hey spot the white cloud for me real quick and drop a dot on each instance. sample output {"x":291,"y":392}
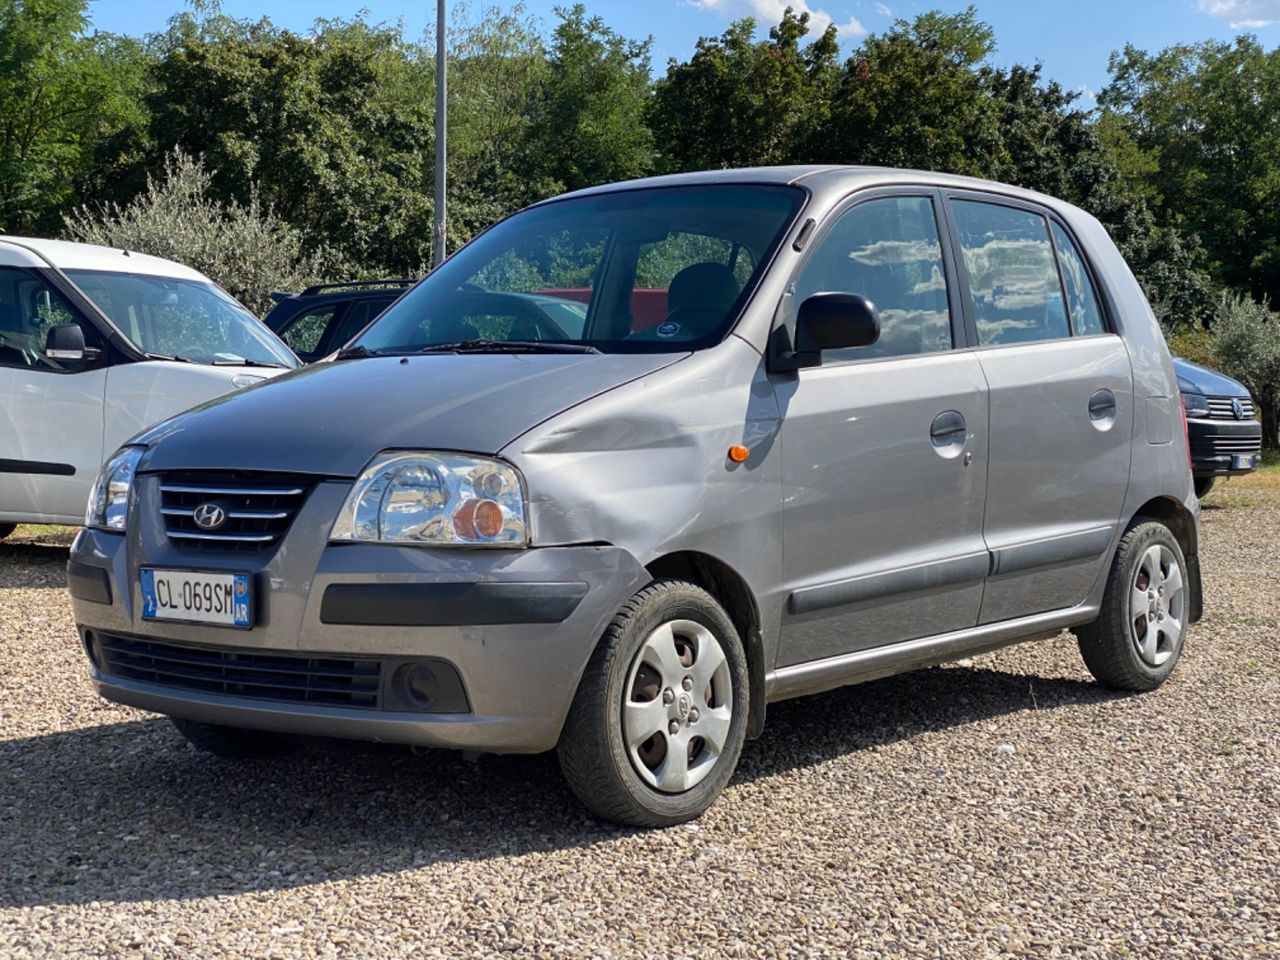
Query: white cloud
{"x":883,"y":10}
{"x":1243,"y":14}
{"x":769,"y":12}
{"x":1087,"y":95}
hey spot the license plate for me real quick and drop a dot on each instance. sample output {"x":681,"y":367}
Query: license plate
{"x":190,"y":596}
{"x":1245,"y":461}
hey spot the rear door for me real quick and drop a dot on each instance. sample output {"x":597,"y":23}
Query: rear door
{"x":1061,"y":401}
{"x":884,"y":448}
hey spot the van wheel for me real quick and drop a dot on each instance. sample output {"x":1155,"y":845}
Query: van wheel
{"x":234,"y":743}
{"x":1138,"y":635}
{"x":1203,"y":486}
{"x":658,"y":721}
{"x":6,"y":529}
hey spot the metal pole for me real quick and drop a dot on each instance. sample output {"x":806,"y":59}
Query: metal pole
{"x":442,"y":98}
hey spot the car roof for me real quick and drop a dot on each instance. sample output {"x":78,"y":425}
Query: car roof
{"x":820,"y":176}
{"x":66,"y":255}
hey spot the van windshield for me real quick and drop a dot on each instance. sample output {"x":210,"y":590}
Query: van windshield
{"x":650,"y":270}
{"x":184,"y":319}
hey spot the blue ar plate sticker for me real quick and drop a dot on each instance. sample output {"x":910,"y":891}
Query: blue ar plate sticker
{"x":668,"y":330}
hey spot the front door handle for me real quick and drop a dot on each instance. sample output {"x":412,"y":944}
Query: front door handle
{"x":949,"y":433}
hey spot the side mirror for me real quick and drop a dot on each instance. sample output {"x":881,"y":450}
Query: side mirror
{"x":65,"y":342}
{"x":834,"y":321}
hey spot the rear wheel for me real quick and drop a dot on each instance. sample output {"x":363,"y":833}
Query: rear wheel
{"x":6,"y":529}
{"x":1138,"y":636}
{"x":234,"y":743}
{"x":659,"y":718}
{"x":1203,"y":486}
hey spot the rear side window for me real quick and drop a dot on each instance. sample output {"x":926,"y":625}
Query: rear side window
{"x":1013,"y":281}
{"x":1086,"y":315}
{"x":888,"y":251}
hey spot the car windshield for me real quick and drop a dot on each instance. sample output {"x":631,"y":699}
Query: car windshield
{"x":185,"y":319}
{"x":649,"y":270}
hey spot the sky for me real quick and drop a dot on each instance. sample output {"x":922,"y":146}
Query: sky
{"x":1072,"y":39}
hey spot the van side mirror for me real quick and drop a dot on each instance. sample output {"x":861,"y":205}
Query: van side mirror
{"x":65,"y":342}
{"x":833,"y":321}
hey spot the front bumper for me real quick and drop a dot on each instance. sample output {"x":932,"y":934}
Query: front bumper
{"x":517,"y":627}
{"x":1221,"y":448}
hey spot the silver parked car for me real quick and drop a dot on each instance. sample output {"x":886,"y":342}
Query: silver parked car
{"x":818,"y":425}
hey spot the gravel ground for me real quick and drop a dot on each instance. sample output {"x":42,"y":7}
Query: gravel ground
{"x":1005,"y":806}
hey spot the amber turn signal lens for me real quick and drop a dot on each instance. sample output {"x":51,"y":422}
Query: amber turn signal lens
{"x":738,"y":453}
{"x":478,"y":519}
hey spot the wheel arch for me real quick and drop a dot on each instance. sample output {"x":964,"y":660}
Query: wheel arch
{"x":732,"y":592}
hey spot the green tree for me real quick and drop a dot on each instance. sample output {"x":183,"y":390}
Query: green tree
{"x":1247,"y":346}
{"x":1198,"y":123}
{"x":245,"y":248}
{"x":914,"y":97}
{"x":591,"y":127}
{"x":739,"y":102}
{"x":61,"y":93}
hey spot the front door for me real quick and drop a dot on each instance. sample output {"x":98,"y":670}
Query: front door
{"x":1061,"y":406}
{"x":884,"y":448}
{"x":50,"y":410}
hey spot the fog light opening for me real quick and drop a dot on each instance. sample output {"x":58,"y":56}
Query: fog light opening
{"x":91,"y":649}
{"x":419,"y":684}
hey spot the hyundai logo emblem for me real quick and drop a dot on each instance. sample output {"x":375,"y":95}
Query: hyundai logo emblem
{"x":1237,"y":408}
{"x":209,"y":516}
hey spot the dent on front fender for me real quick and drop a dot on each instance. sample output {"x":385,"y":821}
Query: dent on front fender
{"x":646,"y":467}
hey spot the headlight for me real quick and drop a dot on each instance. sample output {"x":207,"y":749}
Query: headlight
{"x":1195,"y":404}
{"x":109,"y":500}
{"x":437,"y":499}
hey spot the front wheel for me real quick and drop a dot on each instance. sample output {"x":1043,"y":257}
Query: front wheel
{"x":660,"y":716}
{"x":1139,"y":633}
{"x":1203,"y":486}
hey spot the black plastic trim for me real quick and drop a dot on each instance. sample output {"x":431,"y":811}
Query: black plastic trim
{"x":926,"y":576}
{"x":1043,"y":553}
{"x":87,"y":582}
{"x":42,"y":467}
{"x":449,"y":604}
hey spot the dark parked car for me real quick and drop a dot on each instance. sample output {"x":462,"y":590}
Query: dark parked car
{"x":1226,"y":440}
{"x":322,"y":318}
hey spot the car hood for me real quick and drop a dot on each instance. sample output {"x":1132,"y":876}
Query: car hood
{"x":1194,"y":378}
{"x":331,"y":418}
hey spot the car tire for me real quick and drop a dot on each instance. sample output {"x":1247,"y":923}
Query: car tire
{"x":6,"y":529}
{"x":1139,"y":633}
{"x":234,"y":743}
{"x":648,"y":671}
{"x":1203,"y":486}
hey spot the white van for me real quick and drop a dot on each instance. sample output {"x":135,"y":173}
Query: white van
{"x":97,"y":344}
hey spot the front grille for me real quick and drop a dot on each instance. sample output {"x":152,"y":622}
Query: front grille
{"x":258,"y":507}
{"x":1213,"y":445}
{"x":1221,"y":408}
{"x":331,"y":681}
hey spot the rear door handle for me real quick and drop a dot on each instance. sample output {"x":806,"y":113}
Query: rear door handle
{"x":1102,"y":408}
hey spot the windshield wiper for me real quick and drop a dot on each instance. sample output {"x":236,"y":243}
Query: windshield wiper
{"x":245,"y":363}
{"x":508,"y":346}
{"x":165,"y":356}
{"x":357,"y":352}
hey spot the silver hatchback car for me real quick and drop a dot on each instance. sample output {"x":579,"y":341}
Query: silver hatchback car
{"x":642,"y":459}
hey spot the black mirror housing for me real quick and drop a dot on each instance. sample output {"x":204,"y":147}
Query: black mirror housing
{"x":65,"y":342}
{"x":833,"y":321}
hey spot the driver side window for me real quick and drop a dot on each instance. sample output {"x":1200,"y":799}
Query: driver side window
{"x":888,"y":251}
{"x":29,"y":308}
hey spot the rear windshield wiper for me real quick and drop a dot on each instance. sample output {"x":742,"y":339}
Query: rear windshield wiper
{"x":246,"y":363}
{"x":508,"y":346}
